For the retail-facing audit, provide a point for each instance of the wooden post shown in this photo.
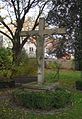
(40, 51)
(40, 44)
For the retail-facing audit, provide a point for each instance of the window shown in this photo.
(30, 49)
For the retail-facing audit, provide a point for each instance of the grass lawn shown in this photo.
(67, 80)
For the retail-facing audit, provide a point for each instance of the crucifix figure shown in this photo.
(40, 44)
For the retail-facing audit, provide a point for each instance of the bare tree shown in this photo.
(17, 10)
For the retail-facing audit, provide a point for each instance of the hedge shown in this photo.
(42, 100)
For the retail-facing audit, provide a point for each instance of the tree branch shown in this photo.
(24, 41)
(6, 35)
(18, 9)
(15, 10)
(36, 22)
(11, 18)
(27, 8)
(6, 26)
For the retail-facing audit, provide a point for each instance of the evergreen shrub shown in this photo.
(79, 85)
(42, 100)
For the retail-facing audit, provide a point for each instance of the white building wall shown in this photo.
(30, 49)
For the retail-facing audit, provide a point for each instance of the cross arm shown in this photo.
(30, 33)
(45, 32)
(55, 31)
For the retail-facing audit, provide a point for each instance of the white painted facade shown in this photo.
(30, 49)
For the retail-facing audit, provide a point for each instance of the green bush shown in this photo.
(78, 85)
(62, 98)
(42, 100)
(5, 62)
(28, 67)
(5, 58)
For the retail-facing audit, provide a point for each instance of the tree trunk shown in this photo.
(16, 54)
(16, 60)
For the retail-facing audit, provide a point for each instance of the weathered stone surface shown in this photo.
(41, 88)
(40, 44)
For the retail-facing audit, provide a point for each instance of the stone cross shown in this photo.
(40, 44)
